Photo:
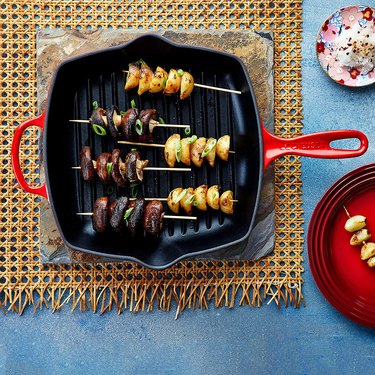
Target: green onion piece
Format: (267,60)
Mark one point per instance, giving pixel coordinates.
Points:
(195,203)
(180,72)
(191,139)
(122,113)
(164,82)
(110,190)
(99,130)
(132,103)
(133,149)
(214,195)
(109,168)
(128,213)
(133,190)
(178,150)
(95,104)
(161,120)
(181,195)
(139,127)
(209,146)
(190,200)
(187,130)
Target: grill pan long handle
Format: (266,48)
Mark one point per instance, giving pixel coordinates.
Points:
(37,121)
(316,145)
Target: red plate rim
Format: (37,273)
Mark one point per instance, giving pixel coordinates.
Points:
(358,180)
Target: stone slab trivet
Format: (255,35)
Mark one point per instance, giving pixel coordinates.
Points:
(256,51)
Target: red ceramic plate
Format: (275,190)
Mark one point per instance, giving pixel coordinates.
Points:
(346,281)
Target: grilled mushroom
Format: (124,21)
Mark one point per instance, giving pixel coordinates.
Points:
(114,121)
(100,214)
(117,162)
(145,116)
(128,124)
(136,217)
(99,117)
(153,218)
(87,164)
(117,218)
(103,167)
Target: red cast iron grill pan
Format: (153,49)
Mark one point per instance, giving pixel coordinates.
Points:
(99,76)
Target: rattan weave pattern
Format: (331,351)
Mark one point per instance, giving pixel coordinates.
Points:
(25,281)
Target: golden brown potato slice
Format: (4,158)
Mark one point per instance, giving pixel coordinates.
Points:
(170,149)
(187,85)
(132,79)
(200,199)
(213,197)
(222,147)
(158,80)
(187,201)
(226,202)
(211,155)
(196,150)
(185,152)
(371,262)
(172,202)
(173,82)
(145,79)
(368,250)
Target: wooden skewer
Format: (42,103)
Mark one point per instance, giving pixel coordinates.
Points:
(153,124)
(158,169)
(150,145)
(163,216)
(210,87)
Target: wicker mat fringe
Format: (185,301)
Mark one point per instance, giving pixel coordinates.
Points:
(137,297)
(276,279)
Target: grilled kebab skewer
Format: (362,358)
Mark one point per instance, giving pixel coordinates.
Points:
(111,166)
(135,213)
(140,75)
(191,149)
(132,125)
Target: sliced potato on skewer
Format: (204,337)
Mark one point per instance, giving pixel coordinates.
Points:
(158,81)
(172,200)
(196,150)
(173,82)
(145,78)
(213,197)
(187,85)
(185,151)
(187,201)
(222,147)
(132,79)
(200,199)
(226,202)
(170,149)
(209,151)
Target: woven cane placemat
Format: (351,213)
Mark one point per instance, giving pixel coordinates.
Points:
(25,281)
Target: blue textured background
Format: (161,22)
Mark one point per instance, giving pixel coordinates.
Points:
(310,340)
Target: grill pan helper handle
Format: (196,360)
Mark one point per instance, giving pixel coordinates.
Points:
(37,121)
(316,145)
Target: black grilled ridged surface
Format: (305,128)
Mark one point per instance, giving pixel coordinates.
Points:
(210,113)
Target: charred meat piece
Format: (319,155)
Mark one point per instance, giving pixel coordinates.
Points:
(100,214)
(136,217)
(153,218)
(114,121)
(99,117)
(117,218)
(87,165)
(117,162)
(101,167)
(145,116)
(128,124)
